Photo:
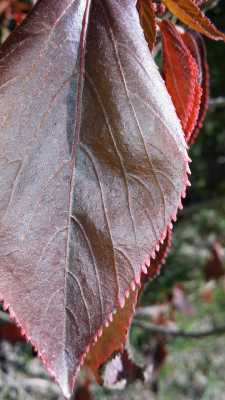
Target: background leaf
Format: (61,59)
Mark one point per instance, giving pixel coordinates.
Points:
(113,336)
(181,75)
(148,21)
(190,14)
(196,45)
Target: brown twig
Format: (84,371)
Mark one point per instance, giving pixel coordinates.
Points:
(179,333)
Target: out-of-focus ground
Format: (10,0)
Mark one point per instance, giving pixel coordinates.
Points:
(189,294)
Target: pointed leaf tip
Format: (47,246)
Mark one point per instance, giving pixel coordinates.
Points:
(82,145)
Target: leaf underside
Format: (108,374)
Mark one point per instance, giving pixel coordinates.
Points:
(92,168)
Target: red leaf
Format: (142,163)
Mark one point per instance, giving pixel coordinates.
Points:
(112,337)
(194,114)
(197,48)
(93,166)
(181,76)
(110,343)
(147,20)
(190,14)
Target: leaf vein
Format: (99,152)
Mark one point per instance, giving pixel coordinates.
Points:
(75,219)
(76,280)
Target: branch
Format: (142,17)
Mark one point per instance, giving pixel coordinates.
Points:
(178,333)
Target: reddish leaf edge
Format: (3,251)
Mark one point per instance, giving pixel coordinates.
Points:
(8,308)
(192,38)
(97,373)
(163,258)
(135,284)
(148,275)
(166,252)
(168,32)
(190,121)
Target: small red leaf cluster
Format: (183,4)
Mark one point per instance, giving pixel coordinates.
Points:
(185,67)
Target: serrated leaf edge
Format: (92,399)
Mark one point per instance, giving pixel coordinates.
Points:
(134,284)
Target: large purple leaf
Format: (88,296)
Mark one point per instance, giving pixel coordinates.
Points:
(92,168)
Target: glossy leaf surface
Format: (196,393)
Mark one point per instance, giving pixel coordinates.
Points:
(92,168)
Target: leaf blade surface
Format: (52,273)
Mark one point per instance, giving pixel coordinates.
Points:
(92,169)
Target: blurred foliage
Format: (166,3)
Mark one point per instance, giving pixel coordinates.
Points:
(12,12)
(191,369)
